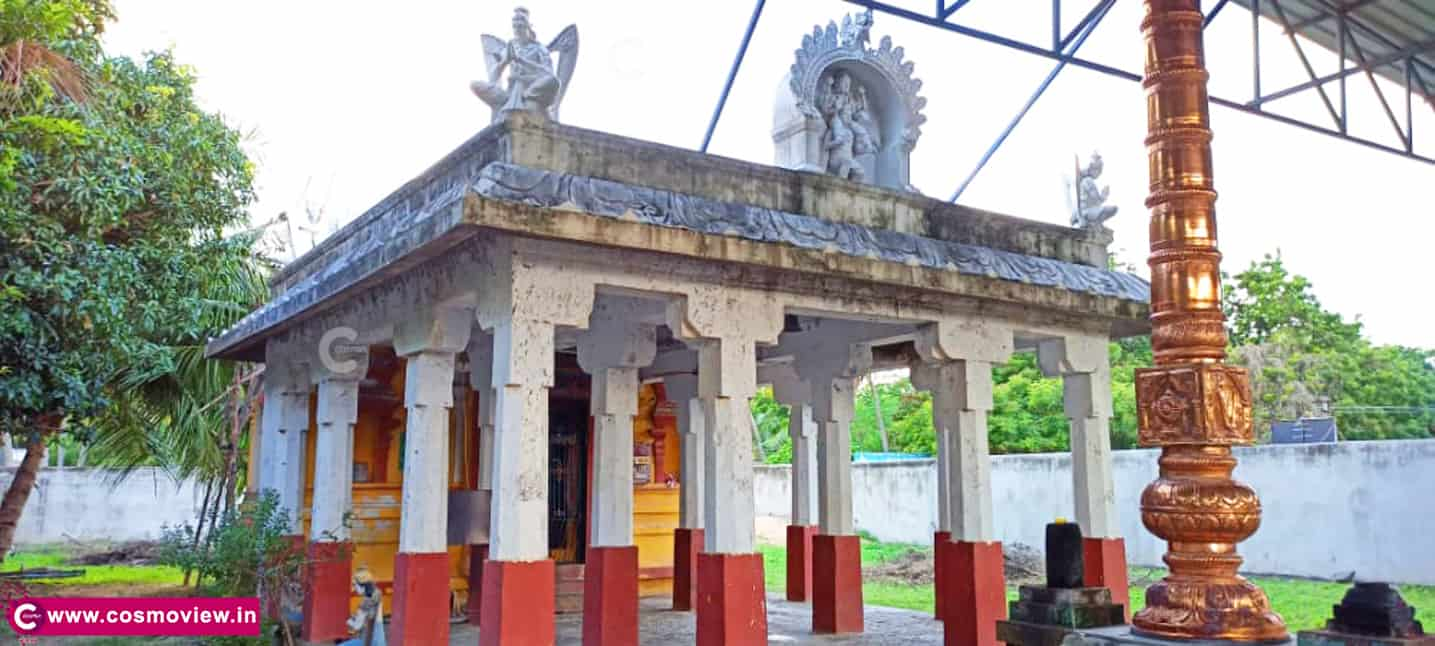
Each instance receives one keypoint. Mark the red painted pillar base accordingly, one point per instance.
(274, 599)
(1104, 562)
(687, 543)
(799, 562)
(477, 554)
(420, 606)
(732, 602)
(327, 584)
(837, 586)
(610, 596)
(518, 602)
(940, 554)
(977, 587)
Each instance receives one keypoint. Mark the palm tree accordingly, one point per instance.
(189, 418)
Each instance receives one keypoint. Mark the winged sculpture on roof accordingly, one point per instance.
(534, 83)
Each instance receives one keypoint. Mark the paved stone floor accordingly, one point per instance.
(787, 623)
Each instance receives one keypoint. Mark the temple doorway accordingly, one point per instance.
(568, 436)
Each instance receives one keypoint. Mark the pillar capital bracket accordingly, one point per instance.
(1073, 355)
(963, 385)
(965, 339)
(787, 388)
(441, 329)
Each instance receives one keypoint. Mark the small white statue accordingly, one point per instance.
(1091, 211)
(534, 85)
(367, 622)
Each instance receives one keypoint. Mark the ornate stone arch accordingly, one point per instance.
(894, 91)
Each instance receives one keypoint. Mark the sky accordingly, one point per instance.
(342, 102)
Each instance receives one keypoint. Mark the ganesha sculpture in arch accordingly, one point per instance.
(848, 109)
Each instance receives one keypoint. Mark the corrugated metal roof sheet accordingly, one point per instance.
(1384, 33)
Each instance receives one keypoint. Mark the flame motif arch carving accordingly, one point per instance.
(824, 48)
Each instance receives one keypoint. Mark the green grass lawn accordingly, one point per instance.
(1304, 604)
(94, 574)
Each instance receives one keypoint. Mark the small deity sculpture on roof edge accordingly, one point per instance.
(1091, 210)
(533, 83)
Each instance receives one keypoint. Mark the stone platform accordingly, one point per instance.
(788, 623)
(1122, 636)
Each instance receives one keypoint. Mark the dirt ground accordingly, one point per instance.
(1024, 565)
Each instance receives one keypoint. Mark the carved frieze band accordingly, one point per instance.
(503, 181)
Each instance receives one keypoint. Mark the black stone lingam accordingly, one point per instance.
(1063, 555)
(1375, 609)
(1045, 615)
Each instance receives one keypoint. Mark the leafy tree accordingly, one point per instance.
(1303, 358)
(115, 192)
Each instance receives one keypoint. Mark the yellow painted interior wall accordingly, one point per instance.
(375, 520)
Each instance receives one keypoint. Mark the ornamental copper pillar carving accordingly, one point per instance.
(1191, 405)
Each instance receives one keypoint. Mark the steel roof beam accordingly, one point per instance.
(1388, 59)
(732, 73)
(1309, 70)
(1116, 72)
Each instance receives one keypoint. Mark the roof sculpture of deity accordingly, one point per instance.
(1091, 210)
(847, 109)
(534, 84)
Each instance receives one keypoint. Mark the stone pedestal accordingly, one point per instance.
(940, 554)
(1045, 616)
(477, 554)
(1104, 562)
(799, 562)
(610, 596)
(977, 586)
(687, 544)
(836, 584)
(517, 602)
(327, 587)
(732, 603)
(420, 606)
(1124, 636)
(1370, 614)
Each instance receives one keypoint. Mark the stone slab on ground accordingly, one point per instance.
(787, 623)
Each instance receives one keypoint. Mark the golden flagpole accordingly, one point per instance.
(1191, 404)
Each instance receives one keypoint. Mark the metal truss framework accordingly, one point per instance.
(1065, 44)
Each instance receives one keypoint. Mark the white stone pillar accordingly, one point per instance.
(802, 428)
(964, 413)
(480, 379)
(834, 455)
(428, 396)
(795, 393)
(614, 405)
(293, 404)
(428, 341)
(1088, 405)
(336, 414)
(934, 379)
(611, 351)
(522, 375)
(727, 380)
(1083, 363)
(683, 391)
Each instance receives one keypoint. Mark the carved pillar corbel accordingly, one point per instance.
(611, 351)
(1083, 363)
(427, 339)
(795, 393)
(337, 368)
(958, 356)
(725, 325)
